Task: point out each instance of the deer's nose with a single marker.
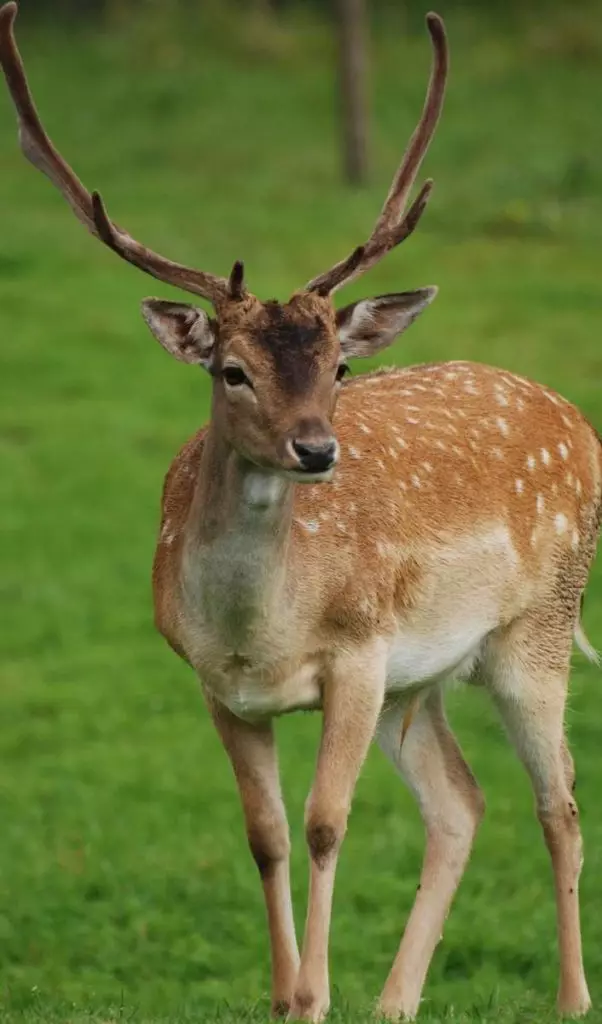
(316, 456)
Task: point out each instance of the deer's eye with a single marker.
(235, 377)
(342, 369)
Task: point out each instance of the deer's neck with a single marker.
(234, 567)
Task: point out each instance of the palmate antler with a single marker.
(89, 207)
(393, 226)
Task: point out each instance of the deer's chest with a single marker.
(238, 630)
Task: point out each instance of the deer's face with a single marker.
(276, 378)
(277, 369)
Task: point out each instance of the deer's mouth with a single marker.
(301, 476)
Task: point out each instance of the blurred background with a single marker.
(215, 132)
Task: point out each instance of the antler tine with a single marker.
(365, 256)
(389, 229)
(89, 209)
(420, 141)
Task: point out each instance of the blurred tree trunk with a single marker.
(351, 16)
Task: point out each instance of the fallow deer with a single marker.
(445, 531)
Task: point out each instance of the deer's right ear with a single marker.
(184, 331)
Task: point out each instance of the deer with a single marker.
(350, 545)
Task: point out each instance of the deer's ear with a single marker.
(367, 326)
(184, 331)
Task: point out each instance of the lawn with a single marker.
(126, 889)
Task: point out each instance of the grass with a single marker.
(126, 891)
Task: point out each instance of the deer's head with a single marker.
(276, 368)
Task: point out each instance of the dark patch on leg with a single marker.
(269, 846)
(322, 840)
(264, 860)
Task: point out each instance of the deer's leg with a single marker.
(252, 751)
(352, 700)
(528, 672)
(431, 763)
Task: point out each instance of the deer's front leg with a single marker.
(352, 701)
(252, 751)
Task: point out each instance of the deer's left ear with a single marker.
(367, 326)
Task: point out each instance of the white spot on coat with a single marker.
(560, 522)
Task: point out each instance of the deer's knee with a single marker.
(324, 831)
(269, 841)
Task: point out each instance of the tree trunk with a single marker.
(353, 88)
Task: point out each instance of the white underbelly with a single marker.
(467, 596)
(450, 652)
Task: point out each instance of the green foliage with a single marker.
(126, 891)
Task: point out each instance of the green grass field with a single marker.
(126, 889)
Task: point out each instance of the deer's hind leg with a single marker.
(527, 670)
(431, 763)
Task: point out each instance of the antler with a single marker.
(89, 208)
(392, 226)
